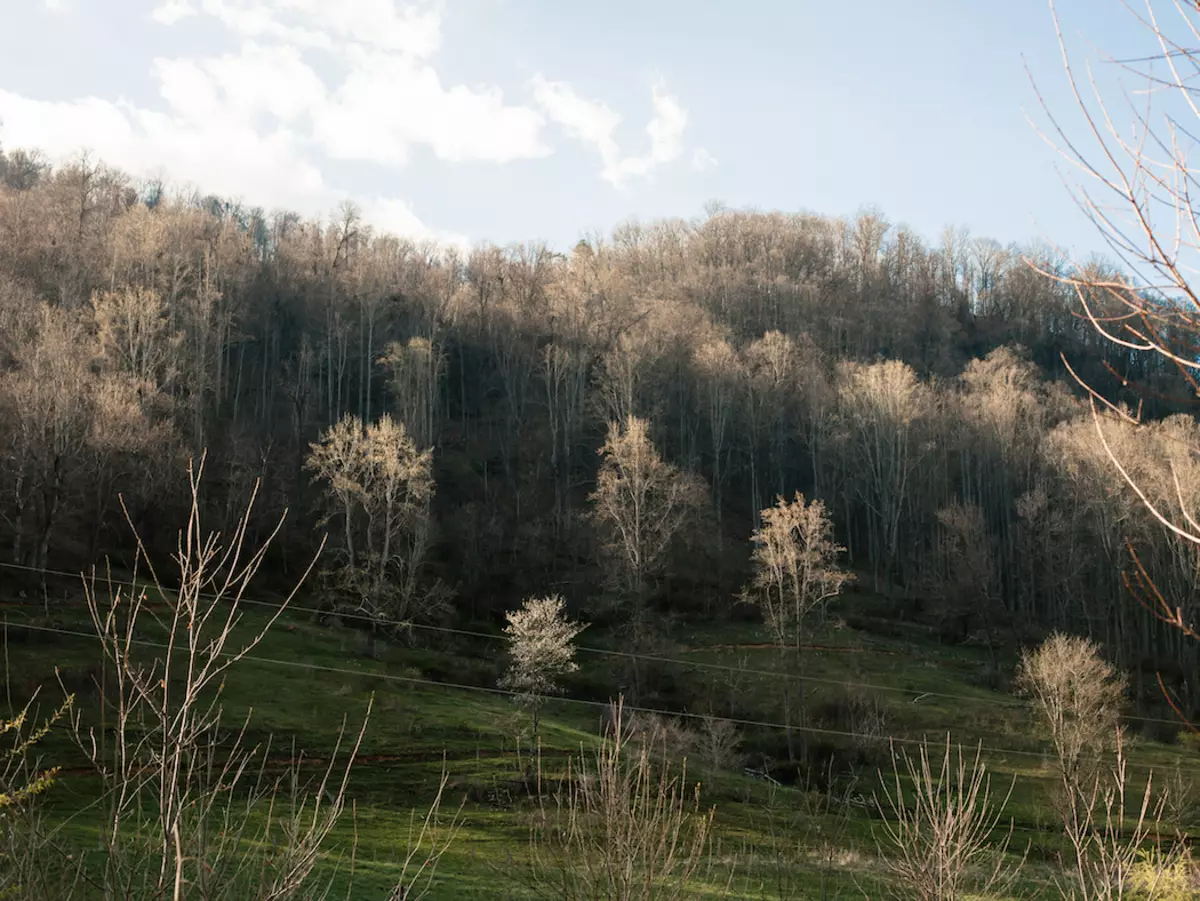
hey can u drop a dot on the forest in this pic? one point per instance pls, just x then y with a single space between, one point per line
920 392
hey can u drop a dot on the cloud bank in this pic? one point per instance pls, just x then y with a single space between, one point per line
255 122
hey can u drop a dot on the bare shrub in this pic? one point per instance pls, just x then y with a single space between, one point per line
186 800
623 827
862 713
937 839
1108 835
670 734
429 837
188 805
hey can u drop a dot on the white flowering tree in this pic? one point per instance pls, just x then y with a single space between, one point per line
541 649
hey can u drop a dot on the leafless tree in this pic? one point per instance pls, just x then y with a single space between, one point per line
796 573
1133 157
718 741
382 487
884 408
51 411
564 378
769 370
134 335
1077 696
970 577
415 370
639 504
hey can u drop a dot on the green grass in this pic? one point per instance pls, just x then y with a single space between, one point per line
306 679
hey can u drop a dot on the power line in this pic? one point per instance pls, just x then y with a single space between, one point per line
1010 703
479 689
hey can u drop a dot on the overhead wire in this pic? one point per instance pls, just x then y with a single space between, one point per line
917 693
603 705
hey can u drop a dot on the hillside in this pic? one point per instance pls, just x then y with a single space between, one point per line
809 486
877 688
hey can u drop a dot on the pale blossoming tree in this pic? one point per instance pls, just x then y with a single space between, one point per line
541 649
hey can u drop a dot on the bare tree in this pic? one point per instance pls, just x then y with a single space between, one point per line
639 505
134 335
415 370
51 412
969 578
1134 157
883 407
382 487
1078 698
564 377
717 744
541 650
770 388
796 573
337 461
619 381
720 373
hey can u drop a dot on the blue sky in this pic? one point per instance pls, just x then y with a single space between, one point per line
506 120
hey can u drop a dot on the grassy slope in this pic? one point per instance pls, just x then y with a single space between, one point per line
414 726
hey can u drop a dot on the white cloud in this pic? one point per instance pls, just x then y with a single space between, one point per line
171 11
257 79
702 160
59 129
593 124
224 157
253 121
413 28
390 100
588 121
389 103
397 217
55 6
667 127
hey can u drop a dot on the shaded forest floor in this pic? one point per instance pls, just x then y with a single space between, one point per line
792 835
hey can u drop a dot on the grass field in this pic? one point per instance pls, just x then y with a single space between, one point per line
800 838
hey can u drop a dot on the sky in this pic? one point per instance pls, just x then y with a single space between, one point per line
511 120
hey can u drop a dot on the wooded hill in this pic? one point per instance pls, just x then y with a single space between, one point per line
918 390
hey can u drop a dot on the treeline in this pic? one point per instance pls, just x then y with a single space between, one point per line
918 390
